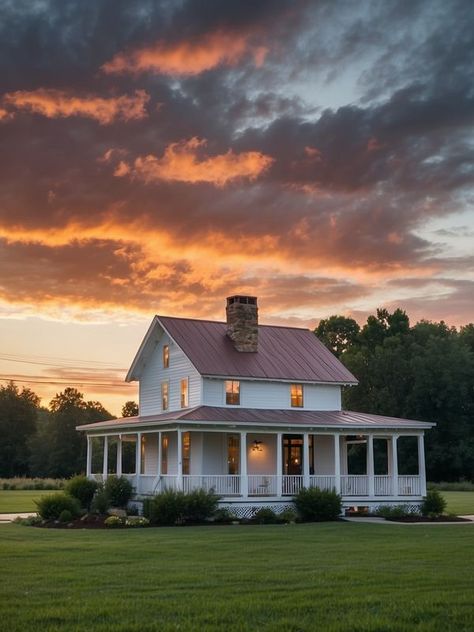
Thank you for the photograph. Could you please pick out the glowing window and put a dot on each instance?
(296, 393)
(164, 454)
(166, 356)
(232, 392)
(184, 392)
(164, 395)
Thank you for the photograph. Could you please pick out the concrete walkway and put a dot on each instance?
(11, 516)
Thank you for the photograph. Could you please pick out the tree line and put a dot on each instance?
(44, 442)
(424, 372)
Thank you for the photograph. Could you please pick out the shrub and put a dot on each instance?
(118, 490)
(50, 507)
(137, 521)
(83, 489)
(434, 504)
(100, 502)
(29, 521)
(65, 516)
(394, 512)
(112, 522)
(458, 486)
(265, 515)
(223, 515)
(167, 508)
(317, 505)
(287, 516)
(200, 505)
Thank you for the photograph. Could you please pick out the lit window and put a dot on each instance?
(186, 452)
(184, 393)
(232, 392)
(166, 356)
(296, 391)
(164, 454)
(164, 395)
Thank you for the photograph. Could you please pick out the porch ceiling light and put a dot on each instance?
(257, 446)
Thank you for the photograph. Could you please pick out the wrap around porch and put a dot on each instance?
(261, 464)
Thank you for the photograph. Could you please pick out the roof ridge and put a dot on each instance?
(223, 322)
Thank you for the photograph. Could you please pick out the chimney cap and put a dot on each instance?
(245, 300)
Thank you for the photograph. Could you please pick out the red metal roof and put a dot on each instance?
(265, 417)
(284, 353)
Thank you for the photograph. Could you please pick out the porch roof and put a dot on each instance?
(263, 417)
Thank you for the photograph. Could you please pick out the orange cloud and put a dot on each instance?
(188, 57)
(59, 104)
(180, 163)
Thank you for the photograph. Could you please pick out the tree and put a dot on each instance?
(338, 333)
(130, 409)
(59, 450)
(18, 414)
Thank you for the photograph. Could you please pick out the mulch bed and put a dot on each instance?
(91, 521)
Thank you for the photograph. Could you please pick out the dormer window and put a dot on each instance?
(296, 395)
(166, 356)
(232, 392)
(164, 395)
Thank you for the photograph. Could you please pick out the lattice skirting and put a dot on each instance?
(410, 507)
(247, 510)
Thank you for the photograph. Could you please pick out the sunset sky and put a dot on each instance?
(160, 156)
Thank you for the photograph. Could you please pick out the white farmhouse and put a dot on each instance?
(254, 413)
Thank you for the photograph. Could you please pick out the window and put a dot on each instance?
(184, 393)
(166, 356)
(186, 452)
(232, 392)
(296, 394)
(164, 454)
(164, 395)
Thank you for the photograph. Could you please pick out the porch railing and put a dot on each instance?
(355, 485)
(383, 485)
(272, 485)
(223, 485)
(262, 485)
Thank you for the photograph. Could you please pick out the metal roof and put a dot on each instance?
(284, 353)
(264, 417)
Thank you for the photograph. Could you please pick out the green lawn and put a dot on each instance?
(16, 501)
(339, 576)
(460, 503)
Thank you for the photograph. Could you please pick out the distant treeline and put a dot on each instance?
(423, 372)
(44, 442)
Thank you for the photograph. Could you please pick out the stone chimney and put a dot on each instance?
(242, 322)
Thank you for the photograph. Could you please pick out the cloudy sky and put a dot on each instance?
(159, 156)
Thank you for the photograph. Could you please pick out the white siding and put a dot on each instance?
(261, 394)
(214, 453)
(323, 454)
(150, 453)
(264, 461)
(154, 374)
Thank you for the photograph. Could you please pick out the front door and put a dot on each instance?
(292, 455)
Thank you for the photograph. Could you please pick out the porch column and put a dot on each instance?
(89, 457)
(279, 469)
(337, 464)
(138, 460)
(394, 465)
(179, 480)
(244, 486)
(119, 455)
(370, 464)
(305, 460)
(421, 464)
(105, 463)
(160, 454)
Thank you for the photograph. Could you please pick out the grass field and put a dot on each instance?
(333, 576)
(19, 500)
